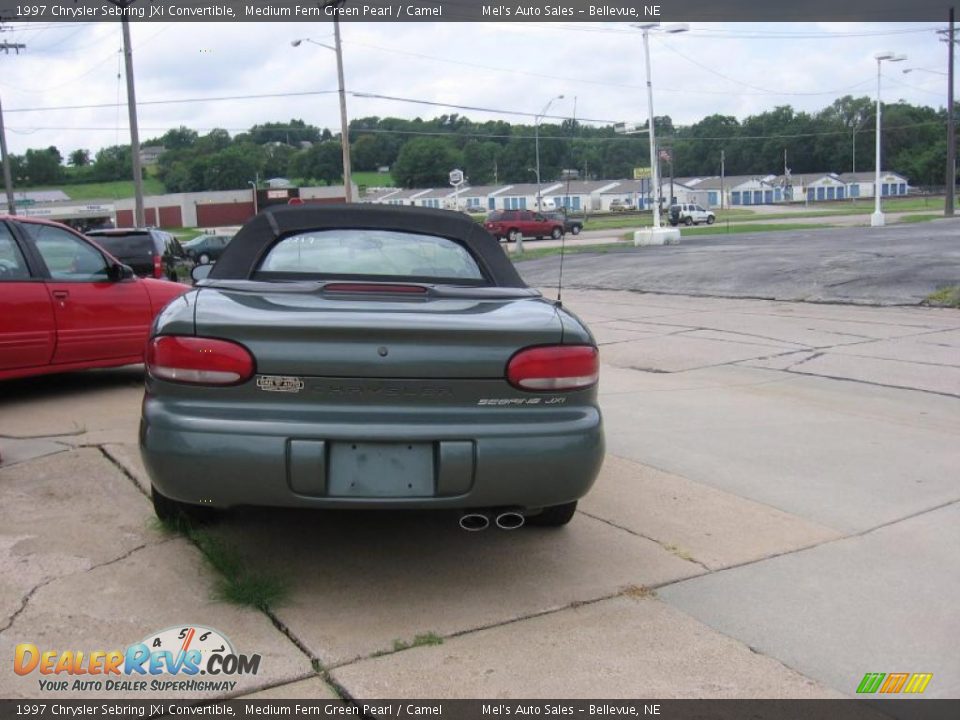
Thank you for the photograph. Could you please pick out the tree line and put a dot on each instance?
(421, 153)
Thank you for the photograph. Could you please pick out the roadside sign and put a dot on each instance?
(456, 177)
(641, 173)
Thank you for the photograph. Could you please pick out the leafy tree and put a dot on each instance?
(42, 167)
(112, 163)
(214, 141)
(177, 139)
(80, 158)
(276, 159)
(290, 133)
(323, 161)
(229, 169)
(480, 161)
(425, 162)
(365, 153)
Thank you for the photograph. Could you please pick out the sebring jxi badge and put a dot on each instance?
(280, 383)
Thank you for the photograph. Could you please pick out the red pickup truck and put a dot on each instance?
(514, 224)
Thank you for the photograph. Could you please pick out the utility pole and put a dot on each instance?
(951, 178)
(138, 215)
(7, 179)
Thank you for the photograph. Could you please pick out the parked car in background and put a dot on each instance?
(149, 251)
(369, 356)
(205, 249)
(571, 225)
(65, 304)
(618, 205)
(516, 224)
(690, 214)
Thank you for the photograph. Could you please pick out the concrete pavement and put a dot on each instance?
(776, 517)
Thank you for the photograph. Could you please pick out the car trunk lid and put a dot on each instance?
(355, 331)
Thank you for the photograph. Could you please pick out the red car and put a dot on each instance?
(66, 304)
(514, 224)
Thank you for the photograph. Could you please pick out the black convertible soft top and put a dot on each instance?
(244, 252)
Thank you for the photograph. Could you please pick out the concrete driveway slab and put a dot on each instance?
(692, 520)
(844, 455)
(313, 688)
(929, 377)
(120, 603)
(54, 522)
(617, 648)
(79, 408)
(885, 601)
(361, 581)
(679, 353)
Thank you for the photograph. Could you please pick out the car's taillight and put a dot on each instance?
(554, 367)
(198, 360)
(157, 266)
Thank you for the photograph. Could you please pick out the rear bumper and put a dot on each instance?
(222, 463)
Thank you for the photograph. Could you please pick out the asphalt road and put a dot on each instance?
(894, 265)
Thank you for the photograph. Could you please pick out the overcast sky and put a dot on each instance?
(733, 69)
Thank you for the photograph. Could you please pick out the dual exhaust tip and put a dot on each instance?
(476, 521)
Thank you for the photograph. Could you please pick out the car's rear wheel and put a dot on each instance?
(710, 219)
(204, 259)
(554, 515)
(556, 233)
(514, 236)
(688, 220)
(171, 511)
(575, 229)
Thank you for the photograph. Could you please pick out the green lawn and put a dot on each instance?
(103, 191)
(369, 179)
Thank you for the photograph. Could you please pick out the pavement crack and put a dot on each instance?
(121, 467)
(26, 598)
(871, 383)
(805, 360)
(672, 549)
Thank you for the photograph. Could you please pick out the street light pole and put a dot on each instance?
(654, 173)
(344, 128)
(536, 139)
(877, 219)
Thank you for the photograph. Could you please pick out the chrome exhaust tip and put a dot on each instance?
(510, 520)
(474, 522)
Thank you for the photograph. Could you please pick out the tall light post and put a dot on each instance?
(536, 139)
(877, 219)
(647, 28)
(344, 129)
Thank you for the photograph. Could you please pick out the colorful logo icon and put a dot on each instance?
(186, 650)
(892, 683)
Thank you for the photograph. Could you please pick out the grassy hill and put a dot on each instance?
(103, 191)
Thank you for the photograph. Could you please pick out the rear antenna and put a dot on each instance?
(563, 237)
(563, 241)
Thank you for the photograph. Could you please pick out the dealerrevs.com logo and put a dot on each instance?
(171, 660)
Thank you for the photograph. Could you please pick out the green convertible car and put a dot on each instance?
(362, 356)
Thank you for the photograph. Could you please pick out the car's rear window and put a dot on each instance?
(370, 253)
(125, 243)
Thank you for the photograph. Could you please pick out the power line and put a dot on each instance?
(503, 136)
(176, 101)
